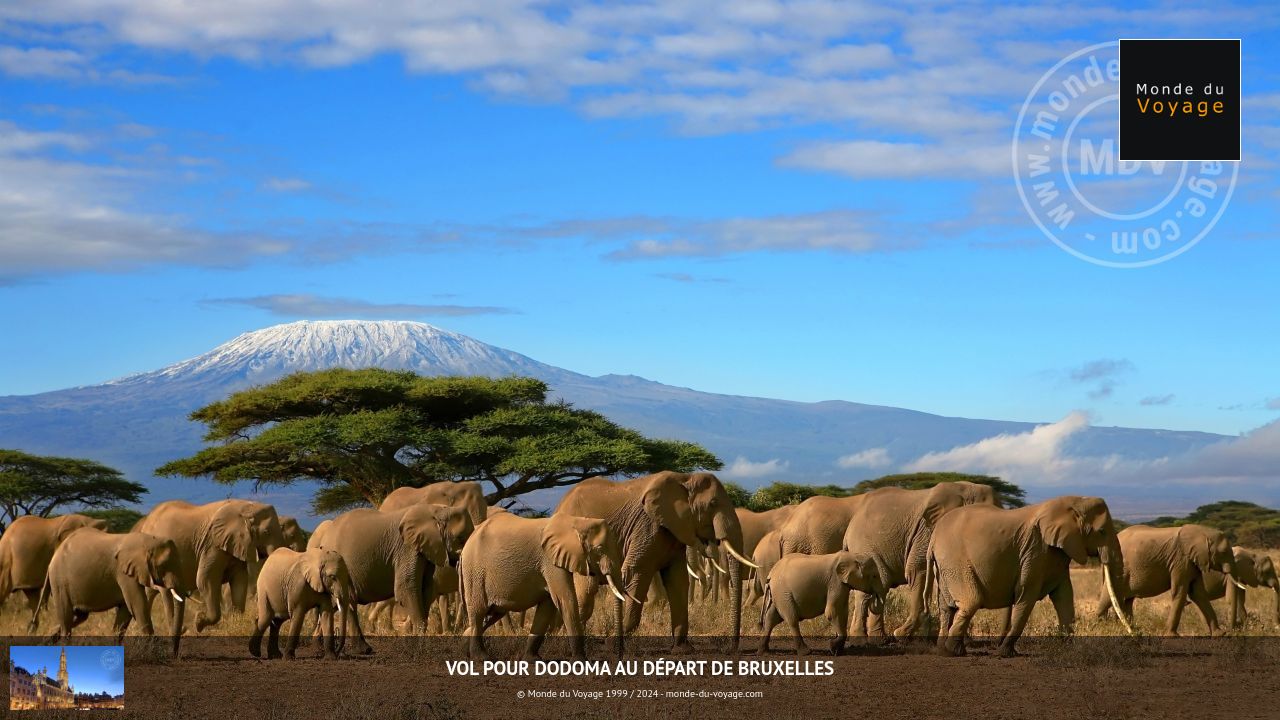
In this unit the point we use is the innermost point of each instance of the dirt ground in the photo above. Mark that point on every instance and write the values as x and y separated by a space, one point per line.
1099 673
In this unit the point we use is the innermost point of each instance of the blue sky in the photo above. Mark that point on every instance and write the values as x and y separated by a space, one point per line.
85 667
805 200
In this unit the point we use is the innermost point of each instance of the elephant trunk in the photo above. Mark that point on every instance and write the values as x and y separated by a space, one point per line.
735 597
179 611
729 533
1277 589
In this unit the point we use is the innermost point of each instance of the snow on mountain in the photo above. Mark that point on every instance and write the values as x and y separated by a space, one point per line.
264 355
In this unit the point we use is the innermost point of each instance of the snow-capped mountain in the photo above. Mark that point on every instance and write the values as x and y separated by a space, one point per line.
139 422
265 355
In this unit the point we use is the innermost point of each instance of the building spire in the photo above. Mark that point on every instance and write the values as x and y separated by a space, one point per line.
63 681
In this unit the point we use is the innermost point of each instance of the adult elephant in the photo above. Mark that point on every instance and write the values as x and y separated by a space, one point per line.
1252 570
295 538
655 518
28 545
1189 561
394 555
893 526
218 542
989 558
466 495
94 571
513 564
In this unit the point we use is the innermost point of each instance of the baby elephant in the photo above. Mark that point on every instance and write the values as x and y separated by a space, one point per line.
806 586
290 585
92 571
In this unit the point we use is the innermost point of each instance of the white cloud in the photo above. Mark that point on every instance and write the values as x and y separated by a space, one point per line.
872 458
746 469
876 159
1036 456
286 185
316 306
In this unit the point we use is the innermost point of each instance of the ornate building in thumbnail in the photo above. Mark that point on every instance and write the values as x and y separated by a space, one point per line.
38 691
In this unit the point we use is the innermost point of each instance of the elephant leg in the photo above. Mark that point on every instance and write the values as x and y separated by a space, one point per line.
837 613
952 643
1004 618
295 629
793 622
360 646
264 622
121 622
858 620
135 601
1200 597
564 600
477 613
769 619
542 619
239 586
166 604
1021 614
1235 606
1177 599
273 640
1063 598
915 606
209 586
676 580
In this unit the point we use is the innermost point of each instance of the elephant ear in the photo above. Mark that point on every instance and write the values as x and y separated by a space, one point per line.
942 499
311 570
666 500
133 558
423 527
1198 548
1060 526
229 531
565 541
849 568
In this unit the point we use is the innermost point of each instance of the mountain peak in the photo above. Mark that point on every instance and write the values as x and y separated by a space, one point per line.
264 355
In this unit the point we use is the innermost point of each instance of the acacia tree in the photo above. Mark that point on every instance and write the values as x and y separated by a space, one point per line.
363 433
1008 494
39 485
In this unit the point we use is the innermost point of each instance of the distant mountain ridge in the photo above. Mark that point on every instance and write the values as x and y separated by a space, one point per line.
138 422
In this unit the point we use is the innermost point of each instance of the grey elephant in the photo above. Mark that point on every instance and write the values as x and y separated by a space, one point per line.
989 558
463 494
218 542
1191 561
295 538
394 555
893 526
807 586
1252 570
26 548
513 563
655 518
94 571
290 585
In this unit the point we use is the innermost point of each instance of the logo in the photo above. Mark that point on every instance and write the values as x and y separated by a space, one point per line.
1082 196
112 658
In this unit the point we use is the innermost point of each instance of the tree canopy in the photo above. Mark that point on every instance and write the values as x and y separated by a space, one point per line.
39 485
1009 494
1245 523
778 494
363 433
118 519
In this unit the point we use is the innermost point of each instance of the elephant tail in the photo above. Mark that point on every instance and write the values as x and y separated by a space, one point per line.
462 590
930 581
767 605
35 614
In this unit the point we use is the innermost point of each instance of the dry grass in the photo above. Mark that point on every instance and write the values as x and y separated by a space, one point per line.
713 619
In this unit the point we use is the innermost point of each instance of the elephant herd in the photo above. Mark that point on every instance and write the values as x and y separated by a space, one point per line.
955 544
671 535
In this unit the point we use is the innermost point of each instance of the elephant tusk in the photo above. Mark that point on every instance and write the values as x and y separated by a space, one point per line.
716 565
175 595
1238 583
693 574
1115 601
635 599
729 547
614 588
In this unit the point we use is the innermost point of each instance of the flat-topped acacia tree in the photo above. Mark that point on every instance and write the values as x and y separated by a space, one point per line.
363 433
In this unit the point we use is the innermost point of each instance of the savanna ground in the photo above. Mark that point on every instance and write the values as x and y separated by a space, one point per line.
1100 673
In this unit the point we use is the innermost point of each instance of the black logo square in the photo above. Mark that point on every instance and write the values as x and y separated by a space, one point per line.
1179 100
